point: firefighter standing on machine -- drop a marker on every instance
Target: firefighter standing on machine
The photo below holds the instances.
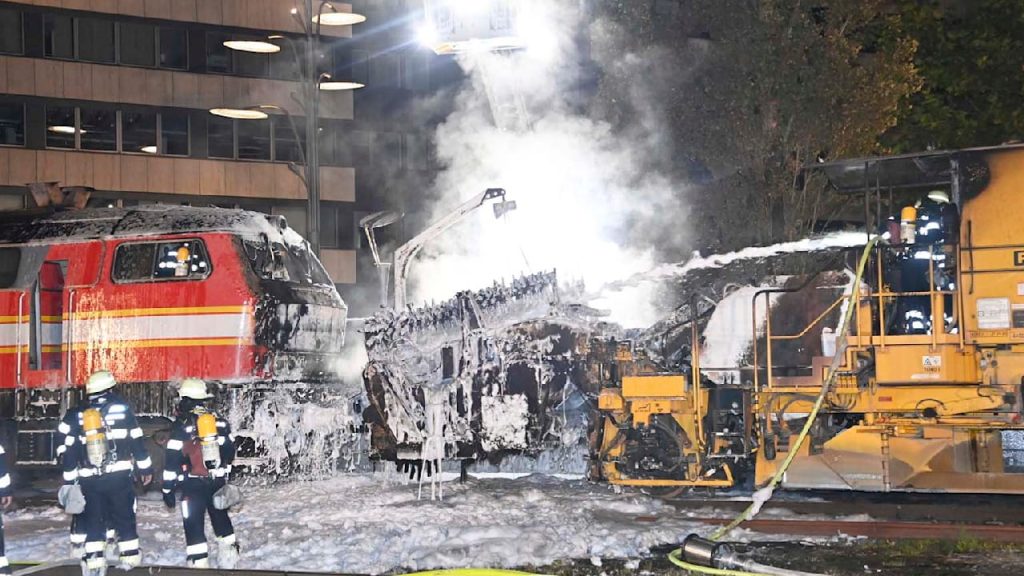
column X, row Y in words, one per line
column 926, row 228
column 199, row 456
column 103, row 446
column 6, row 498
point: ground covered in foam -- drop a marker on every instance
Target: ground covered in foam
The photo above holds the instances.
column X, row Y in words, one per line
column 379, row 523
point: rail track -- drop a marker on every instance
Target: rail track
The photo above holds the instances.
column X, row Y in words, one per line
column 995, row 518
column 904, row 507
column 882, row 530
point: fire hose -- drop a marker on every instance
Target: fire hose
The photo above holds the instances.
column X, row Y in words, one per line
column 707, row 556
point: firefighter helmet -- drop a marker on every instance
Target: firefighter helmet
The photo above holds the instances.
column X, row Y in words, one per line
column 193, row 388
column 939, row 196
column 99, row 381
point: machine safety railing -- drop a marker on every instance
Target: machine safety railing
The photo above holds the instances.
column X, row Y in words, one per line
column 878, row 298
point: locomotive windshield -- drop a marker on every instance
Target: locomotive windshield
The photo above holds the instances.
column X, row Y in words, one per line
column 282, row 262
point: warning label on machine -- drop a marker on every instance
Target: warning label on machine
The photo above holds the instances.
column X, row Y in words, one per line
column 993, row 313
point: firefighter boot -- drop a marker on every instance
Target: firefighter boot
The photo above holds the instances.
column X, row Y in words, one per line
column 95, row 566
column 227, row 552
column 128, row 562
column 110, row 552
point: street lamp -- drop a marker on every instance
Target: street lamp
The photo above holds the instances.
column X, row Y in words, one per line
column 336, row 18
column 313, row 82
column 254, row 46
column 252, row 113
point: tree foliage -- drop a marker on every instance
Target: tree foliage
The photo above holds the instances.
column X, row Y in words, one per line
column 971, row 58
column 763, row 87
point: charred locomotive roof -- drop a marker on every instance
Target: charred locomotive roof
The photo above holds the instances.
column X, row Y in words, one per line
column 63, row 225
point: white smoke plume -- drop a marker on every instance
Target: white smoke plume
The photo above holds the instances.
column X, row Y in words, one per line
column 584, row 190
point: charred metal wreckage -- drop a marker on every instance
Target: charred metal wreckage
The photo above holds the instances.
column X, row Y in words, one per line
column 479, row 375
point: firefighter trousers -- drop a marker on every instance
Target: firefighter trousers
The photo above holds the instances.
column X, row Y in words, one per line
column 5, row 566
column 109, row 502
column 196, row 504
column 78, row 531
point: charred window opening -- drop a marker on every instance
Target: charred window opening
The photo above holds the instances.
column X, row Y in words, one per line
column 157, row 261
column 285, row 262
column 10, row 259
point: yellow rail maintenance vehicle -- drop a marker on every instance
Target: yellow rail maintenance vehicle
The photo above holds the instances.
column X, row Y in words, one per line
column 922, row 391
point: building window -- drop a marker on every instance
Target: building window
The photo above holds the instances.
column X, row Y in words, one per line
column 356, row 149
column 348, row 232
column 12, row 124
column 138, row 132
column 286, row 147
column 174, row 133
column 295, row 215
column 218, row 56
column 328, row 226
column 10, row 32
column 101, row 128
column 96, row 40
column 336, row 226
column 390, row 146
column 249, row 63
column 359, row 66
column 137, row 44
column 416, row 153
column 284, row 64
column 385, row 73
column 98, row 128
column 253, row 140
column 61, row 127
column 416, row 72
column 174, row 48
column 328, row 142
column 220, row 137
column 58, row 36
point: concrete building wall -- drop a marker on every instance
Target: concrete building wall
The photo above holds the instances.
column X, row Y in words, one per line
column 152, row 87
column 256, row 14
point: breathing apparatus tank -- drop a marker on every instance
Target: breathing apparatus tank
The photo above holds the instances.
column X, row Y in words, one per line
column 206, row 430
column 908, row 224
column 95, row 438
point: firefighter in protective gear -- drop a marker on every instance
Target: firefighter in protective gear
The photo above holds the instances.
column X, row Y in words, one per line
column 77, row 535
column 6, row 498
column 103, row 446
column 930, row 231
column 199, row 456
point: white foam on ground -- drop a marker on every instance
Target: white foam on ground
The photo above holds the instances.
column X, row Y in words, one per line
column 374, row 524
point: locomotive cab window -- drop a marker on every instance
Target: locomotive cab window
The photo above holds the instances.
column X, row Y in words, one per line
column 285, row 263
column 157, row 261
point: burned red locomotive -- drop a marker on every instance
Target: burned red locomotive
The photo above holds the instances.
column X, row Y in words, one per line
column 156, row 294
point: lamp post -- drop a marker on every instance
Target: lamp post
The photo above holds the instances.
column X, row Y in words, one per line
column 312, row 82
